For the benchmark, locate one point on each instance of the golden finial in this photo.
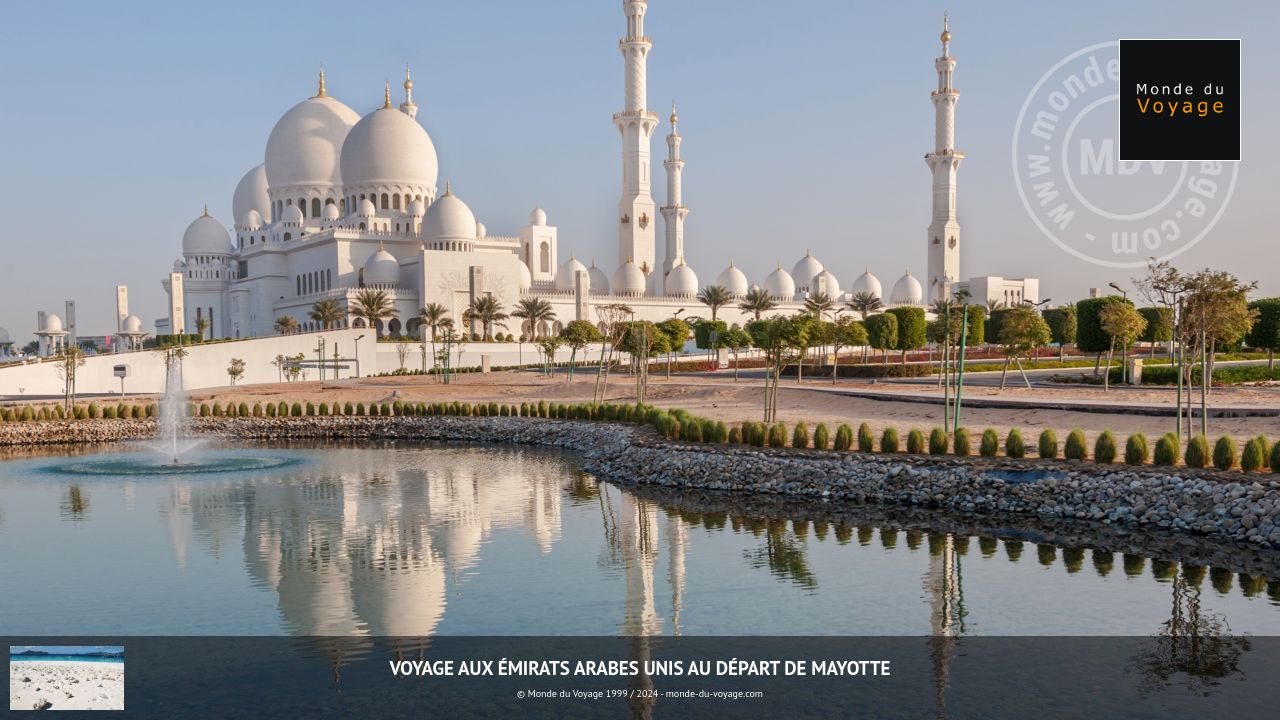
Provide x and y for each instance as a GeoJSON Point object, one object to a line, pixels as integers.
{"type": "Point", "coordinates": [408, 81]}
{"type": "Point", "coordinates": [674, 118]}
{"type": "Point", "coordinates": [448, 187]}
{"type": "Point", "coordinates": [946, 33]}
{"type": "Point", "coordinates": [206, 210]}
{"type": "Point", "coordinates": [320, 92]}
{"type": "Point", "coordinates": [386, 96]}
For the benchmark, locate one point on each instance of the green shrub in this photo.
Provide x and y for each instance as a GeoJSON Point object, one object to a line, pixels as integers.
{"type": "Point", "coordinates": [153, 410]}
{"type": "Point", "coordinates": [960, 443]}
{"type": "Point", "coordinates": [1076, 447]}
{"type": "Point", "coordinates": [493, 409]}
{"type": "Point", "coordinates": [94, 411]}
{"type": "Point", "coordinates": [844, 437]}
{"type": "Point", "coordinates": [1274, 458]}
{"type": "Point", "coordinates": [243, 410]}
{"type": "Point", "coordinates": [866, 439]}
{"type": "Point", "coordinates": [757, 435]}
{"type": "Point", "coordinates": [1047, 447]}
{"type": "Point", "coordinates": [348, 408]}
{"type": "Point", "coordinates": [360, 408]}
{"type": "Point", "coordinates": [821, 437]}
{"type": "Point", "coordinates": [231, 410]}
{"type": "Point", "coordinates": [322, 409]}
{"type": "Point", "coordinates": [778, 436]}
{"type": "Point", "coordinates": [257, 409]}
{"type": "Point", "coordinates": [889, 440]}
{"type": "Point", "coordinates": [1104, 449]}
{"type": "Point", "coordinates": [1265, 444]}
{"type": "Point", "coordinates": [108, 413]}
{"type": "Point", "coordinates": [386, 410]}
{"type": "Point", "coordinates": [1014, 446]}
{"type": "Point", "coordinates": [989, 445]}
{"type": "Point", "coordinates": [542, 409]}
{"type": "Point", "coordinates": [271, 409]}
{"type": "Point", "coordinates": [282, 409]}
{"type": "Point", "coordinates": [1166, 452]}
{"type": "Point", "coordinates": [937, 441]}
{"type": "Point", "coordinates": [1254, 457]}
{"type": "Point", "coordinates": [204, 410]}
{"type": "Point", "coordinates": [219, 410]}
{"type": "Point", "coordinates": [722, 433]}
{"type": "Point", "coordinates": [735, 435]}
{"type": "Point", "coordinates": [915, 442]}
{"type": "Point", "coordinates": [800, 436]}
{"type": "Point", "coordinates": [123, 411]}
{"type": "Point", "coordinates": [311, 409]}
{"type": "Point", "coordinates": [1224, 453]}
{"type": "Point", "coordinates": [693, 432]}
{"type": "Point", "coordinates": [1136, 450]}
{"type": "Point", "coordinates": [1197, 452]}
{"type": "Point", "coordinates": [296, 409]}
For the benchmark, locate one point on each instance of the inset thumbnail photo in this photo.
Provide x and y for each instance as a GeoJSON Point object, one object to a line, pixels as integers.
{"type": "Point", "coordinates": [66, 677]}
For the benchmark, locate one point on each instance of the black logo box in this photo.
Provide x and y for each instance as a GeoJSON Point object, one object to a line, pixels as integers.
{"type": "Point", "coordinates": [1187, 68]}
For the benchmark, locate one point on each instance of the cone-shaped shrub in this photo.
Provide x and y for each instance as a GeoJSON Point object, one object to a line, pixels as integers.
{"type": "Point", "coordinates": [889, 441]}
{"type": "Point", "coordinates": [735, 435]}
{"type": "Point", "coordinates": [1166, 452]}
{"type": "Point", "coordinates": [1254, 456]}
{"type": "Point", "coordinates": [323, 408]}
{"type": "Point", "coordinates": [109, 413]}
{"type": "Point", "coordinates": [296, 410]}
{"type": "Point", "coordinates": [1104, 450]}
{"type": "Point", "coordinates": [348, 408]}
{"type": "Point", "coordinates": [800, 436]}
{"type": "Point", "coordinates": [989, 446]}
{"type": "Point", "coordinates": [757, 434]}
{"type": "Point", "coordinates": [844, 437]}
{"type": "Point", "coordinates": [94, 411]}
{"type": "Point", "coordinates": [1136, 450]}
{"type": "Point", "coordinates": [866, 439]}
{"type": "Point", "coordinates": [1047, 447]}
{"type": "Point", "coordinates": [204, 410]}
{"type": "Point", "coordinates": [778, 436]}
{"type": "Point", "coordinates": [694, 432]}
{"type": "Point", "coordinates": [1014, 446]}
{"type": "Point", "coordinates": [722, 433]}
{"type": "Point", "coordinates": [821, 437]}
{"type": "Point", "coordinates": [1224, 453]}
{"type": "Point", "coordinates": [271, 409]}
{"type": "Point", "coordinates": [231, 410]}
{"type": "Point", "coordinates": [257, 409]}
{"type": "Point", "coordinates": [961, 444]}
{"type": "Point", "coordinates": [1197, 452]}
{"type": "Point", "coordinates": [938, 441]}
{"type": "Point", "coordinates": [139, 412]}
{"type": "Point", "coordinates": [1076, 448]}
{"type": "Point", "coordinates": [282, 409]}
{"type": "Point", "coordinates": [386, 410]}
{"type": "Point", "coordinates": [915, 442]}
{"type": "Point", "coordinates": [1265, 444]}
{"type": "Point", "coordinates": [1274, 458]}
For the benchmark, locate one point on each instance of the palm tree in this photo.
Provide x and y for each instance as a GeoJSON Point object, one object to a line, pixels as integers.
{"type": "Point", "coordinates": [757, 302]}
{"type": "Point", "coordinates": [864, 303]}
{"type": "Point", "coordinates": [373, 306]}
{"type": "Point", "coordinates": [432, 317]}
{"type": "Point", "coordinates": [488, 312]}
{"type": "Point", "coordinates": [326, 312]}
{"type": "Point", "coordinates": [533, 312]}
{"type": "Point", "coordinates": [714, 297]}
{"type": "Point", "coordinates": [202, 327]}
{"type": "Point", "coordinates": [818, 305]}
{"type": "Point", "coordinates": [993, 304]}
{"type": "Point", "coordinates": [286, 324]}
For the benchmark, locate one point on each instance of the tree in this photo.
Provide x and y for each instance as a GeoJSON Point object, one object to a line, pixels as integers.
{"type": "Point", "coordinates": [1216, 314]}
{"type": "Point", "coordinates": [548, 347]}
{"type": "Point", "coordinates": [1090, 337]}
{"type": "Point", "coordinates": [706, 333]}
{"type": "Point", "coordinates": [402, 352]}
{"type": "Point", "coordinates": [757, 302]}
{"type": "Point", "coordinates": [374, 306]}
{"type": "Point", "coordinates": [994, 304]}
{"type": "Point", "coordinates": [532, 312]}
{"type": "Point", "coordinates": [577, 335]}
{"type": "Point", "coordinates": [677, 332]}
{"type": "Point", "coordinates": [202, 326]}
{"type": "Point", "coordinates": [235, 370]}
{"type": "Point", "coordinates": [611, 317]}
{"type": "Point", "coordinates": [326, 313]}
{"type": "Point", "coordinates": [736, 340]}
{"type": "Point", "coordinates": [487, 311]}
{"type": "Point", "coordinates": [1265, 333]}
{"type": "Point", "coordinates": [864, 302]}
{"type": "Point", "coordinates": [845, 332]}
{"type": "Point", "coordinates": [995, 322]}
{"type": "Point", "coordinates": [69, 362]}
{"type": "Point", "coordinates": [912, 329]}
{"type": "Point", "coordinates": [1022, 332]}
{"type": "Point", "coordinates": [882, 332]}
{"type": "Point", "coordinates": [714, 297]}
{"type": "Point", "coordinates": [286, 324]}
{"type": "Point", "coordinates": [818, 305]}
{"type": "Point", "coordinates": [977, 332]}
{"type": "Point", "coordinates": [1123, 323]}
{"type": "Point", "coordinates": [1062, 326]}
{"type": "Point", "coordinates": [432, 316]}
{"type": "Point", "coordinates": [1159, 326]}
{"type": "Point", "coordinates": [779, 338]}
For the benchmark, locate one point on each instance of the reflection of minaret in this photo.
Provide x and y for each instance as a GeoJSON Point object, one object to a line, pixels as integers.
{"type": "Point", "coordinates": [946, 611]}
{"type": "Point", "coordinates": [944, 162]}
{"type": "Point", "coordinates": [177, 516]}
{"type": "Point", "coordinates": [636, 528]}
{"type": "Point", "coordinates": [677, 535]}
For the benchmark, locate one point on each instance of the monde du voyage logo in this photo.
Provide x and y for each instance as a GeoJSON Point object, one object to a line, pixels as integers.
{"type": "Point", "coordinates": [1126, 150]}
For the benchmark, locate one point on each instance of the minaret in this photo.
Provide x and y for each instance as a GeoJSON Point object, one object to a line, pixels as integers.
{"type": "Point", "coordinates": [407, 107]}
{"type": "Point", "coordinates": [636, 221]}
{"type": "Point", "coordinates": [944, 162]}
{"type": "Point", "coordinates": [674, 212]}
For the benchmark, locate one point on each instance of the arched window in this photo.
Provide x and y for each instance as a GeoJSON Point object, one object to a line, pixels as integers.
{"type": "Point", "coordinates": [544, 258]}
{"type": "Point", "coordinates": [289, 202]}
{"type": "Point", "coordinates": [395, 202]}
{"type": "Point", "coordinates": [385, 201]}
{"type": "Point", "coordinates": [361, 226]}
{"type": "Point", "coordinates": [328, 278]}
{"type": "Point", "coordinates": [302, 205]}
{"type": "Point", "coordinates": [315, 207]}
{"type": "Point", "coordinates": [343, 206]}
{"type": "Point", "coordinates": [288, 237]}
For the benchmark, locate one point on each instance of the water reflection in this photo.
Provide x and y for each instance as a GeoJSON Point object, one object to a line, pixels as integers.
{"type": "Point", "coordinates": [76, 505]}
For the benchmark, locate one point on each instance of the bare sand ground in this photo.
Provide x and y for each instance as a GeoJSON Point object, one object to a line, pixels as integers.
{"type": "Point", "coordinates": [66, 685]}
{"type": "Point", "coordinates": [812, 401]}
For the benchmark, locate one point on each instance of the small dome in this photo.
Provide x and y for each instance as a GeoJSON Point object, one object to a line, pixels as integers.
{"type": "Point", "coordinates": [206, 236]}
{"type": "Point", "coordinates": [907, 291]}
{"type": "Point", "coordinates": [381, 269]}
{"type": "Point", "coordinates": [367, 208]}
{"type": "Point", "coordinates": [628, 280]}
{"type": "Point", "coordinates": [251, 220]}
{"type": "Point", "coordinates": [805, 270]}
{"type": "Point", "coordinates": [526, 277]}
{"type": "Point", "coordinates": [779, 285]}
{"type": "Point", "coordinates": [251, 194]}
{"type": "Point", "coordinates": [733, 280]}
{"type": "Point", "coordinates": [568, 274]}
{"type": "Point", "coordinates": [449, 218]}
{"type": "Point", "coordinates": [833, 285]}
{"type": "Point", "coordinates": [133, 324]}
{"type": "Point", "coordinates": [481, 230]}
{"type": "Point", "coordinates": [305, 144]}
{"type": "Point", "coordinates": [417, 208]}
{"type": "Point", "coordinates": [538, 217]}
{"type": "Point", "coordinates": [868, 283]}
{"type": "Point", "coordinates": [52, 324]}
{"type": "Point", "coordinates": [292, 215]}
{"type": "Point", "coordinates": [331, 212]}
{"type": "Point", "coordinates": [387, 147]}
{"type": "Point", "coordinates": [682, 282]}
{"type": "Point", "coordinates": [599, 281]}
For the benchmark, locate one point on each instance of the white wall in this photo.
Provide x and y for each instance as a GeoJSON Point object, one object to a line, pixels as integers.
{"type": "Point", "coordinates": [500, 355]}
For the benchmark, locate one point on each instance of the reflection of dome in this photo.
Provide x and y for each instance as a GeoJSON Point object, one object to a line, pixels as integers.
{"type": "Point", "coordinates": [833, 285]}
{"type": "Point", "coordinates": [599, 281]}
{"type": "Point", "coordinates": [449, 219]}
{"type": "Point", "coordinates": [568, 274]}
{"type": "Point", "coordinates": [292, 215]}
{"type": "Point", "coordinates": [206, 236]}
{"type": "Point", "coordinates": [526, 277]}
{"type": "Point", "coordinates": [780, 285]}
{"type": "Point", "coordinates": [387, 147]}
{"type": "Point", "coordinates": [251, 194]}
{"type": "Point", "coordinates": [381, 269]}
{"type": "Point", "coordinates": [907, 291]}
{"type": "Point", "coordinates": [133, 324]}
{"type": "Point", "coordinates": [628, 280]}
{"type": "Point", "coordinates": [867, 283]}
{"type": "Point", "coordinates": [538, 217]}
{"type": "Point", "coordinates": [52, 324]}
{"type": "Point", "coordinates": [733, 280]}
{"type": "Point", "coordinates": [304, 146]}
{"type": "Point", "coordinates": [805, 270]}
{"type": "Point", "coordinates": [682, 282]}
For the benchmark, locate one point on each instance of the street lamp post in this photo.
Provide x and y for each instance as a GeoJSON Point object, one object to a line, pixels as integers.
{"type": "Point", "coordinates": [1124, 351]}
{"type": "Point", "coordinates": [1176, 360]}
{"type": "Point", "coordinates": [358, 339]}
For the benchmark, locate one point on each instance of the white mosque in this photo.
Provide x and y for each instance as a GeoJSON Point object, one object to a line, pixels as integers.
{"type": "Point", "coordinates": [343, 202]}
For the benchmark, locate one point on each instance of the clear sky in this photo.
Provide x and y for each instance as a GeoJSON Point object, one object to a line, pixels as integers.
{"type": "Point", "coordinates": [804, 126]}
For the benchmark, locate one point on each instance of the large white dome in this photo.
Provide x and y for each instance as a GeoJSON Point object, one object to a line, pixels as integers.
{"type": "Point", "coordinates": [628, 280]}
{"type": "Point", "coordinates": [868, 283]}
{"type": "Point", "coordinates": [449, 218]}
{"type": "Point", "coordinates": [251, 194]}
{"type": "Point", "coordinates": [206, 236]}
{"type": "Point", "coordinates": [779, 285]}
{"type": "Point", "coordinates": [599, 281]}
{"type": "Point", "coordinates": [907, 291]}
{"type": "Point", "coordinates": [305, 145]}
{"type": "Point", "coordinates": [568, 274]}
{"type": "Point", "coordinates": [733, 280]}
{"type": "Point", "coordinates": [52, 324]}
{"type": "Point", "coordinates": [805, 270]}
{"type": "Point", "coordinates": [389, 148]}
{"type": "Point", "coordinates": [381, 269]}
{"type": "Point", "coordinates": [682, 282]}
